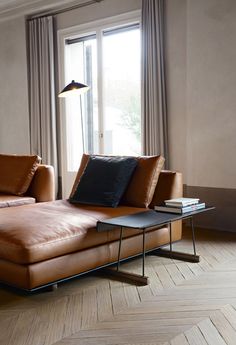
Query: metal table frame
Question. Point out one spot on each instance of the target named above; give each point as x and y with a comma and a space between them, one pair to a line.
155, 222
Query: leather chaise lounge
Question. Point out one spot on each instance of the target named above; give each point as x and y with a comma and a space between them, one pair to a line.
43, 243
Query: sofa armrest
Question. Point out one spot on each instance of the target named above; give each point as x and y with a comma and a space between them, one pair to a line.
42, 187
169, 186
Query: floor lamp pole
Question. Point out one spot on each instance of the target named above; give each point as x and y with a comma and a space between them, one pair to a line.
82, 124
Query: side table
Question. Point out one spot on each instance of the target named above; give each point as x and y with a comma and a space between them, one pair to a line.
143, 221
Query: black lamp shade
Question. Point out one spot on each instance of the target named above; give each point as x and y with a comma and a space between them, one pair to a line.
73, 88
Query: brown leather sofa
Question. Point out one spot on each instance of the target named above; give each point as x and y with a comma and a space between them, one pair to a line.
42, 188
24, 181
47, 242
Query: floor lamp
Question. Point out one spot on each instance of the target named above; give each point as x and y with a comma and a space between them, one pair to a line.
76, 89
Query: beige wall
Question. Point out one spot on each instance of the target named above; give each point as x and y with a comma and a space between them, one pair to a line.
201, 55
104, 9
14, 115
206, 63
211, 91
14, 124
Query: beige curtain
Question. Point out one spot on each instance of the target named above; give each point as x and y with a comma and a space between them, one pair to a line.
154, 107
43, 126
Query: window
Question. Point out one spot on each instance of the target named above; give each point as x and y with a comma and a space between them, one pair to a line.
107, 58
81, 65
121, 85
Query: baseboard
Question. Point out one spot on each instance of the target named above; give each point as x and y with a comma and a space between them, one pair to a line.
223, 218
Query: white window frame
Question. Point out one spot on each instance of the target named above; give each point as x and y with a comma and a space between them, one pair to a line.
96, 27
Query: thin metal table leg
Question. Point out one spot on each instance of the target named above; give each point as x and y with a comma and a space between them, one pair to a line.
170, 231
143, 252
126, 276
119, 250
179, 255
193, 236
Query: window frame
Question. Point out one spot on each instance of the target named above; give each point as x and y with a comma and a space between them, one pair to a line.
96, 27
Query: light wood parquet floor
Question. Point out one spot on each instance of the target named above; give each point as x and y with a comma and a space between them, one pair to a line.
185, 303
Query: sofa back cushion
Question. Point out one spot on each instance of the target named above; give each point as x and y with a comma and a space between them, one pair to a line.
142, 185
16, 173
104, 180
169, 186
83, 164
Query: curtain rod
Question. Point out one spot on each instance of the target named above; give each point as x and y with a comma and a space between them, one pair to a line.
62, 10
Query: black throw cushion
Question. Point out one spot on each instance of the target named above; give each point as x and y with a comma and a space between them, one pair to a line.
104, 180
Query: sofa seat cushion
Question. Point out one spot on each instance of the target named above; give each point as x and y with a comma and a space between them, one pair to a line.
14, 200
33, 233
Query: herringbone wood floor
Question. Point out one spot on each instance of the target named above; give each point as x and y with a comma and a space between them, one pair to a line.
185, 304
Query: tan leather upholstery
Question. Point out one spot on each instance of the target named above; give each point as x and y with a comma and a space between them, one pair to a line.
14, 200
42, 187
44, 242
36, 274
143, 183
38, 232
16, 173
141, 188
169, 186
83, 164
14, 274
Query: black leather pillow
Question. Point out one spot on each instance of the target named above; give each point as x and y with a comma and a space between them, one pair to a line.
104, 180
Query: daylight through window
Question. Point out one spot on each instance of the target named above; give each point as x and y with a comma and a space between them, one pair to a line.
108, 60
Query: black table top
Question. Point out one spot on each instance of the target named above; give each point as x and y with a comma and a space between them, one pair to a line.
147, 219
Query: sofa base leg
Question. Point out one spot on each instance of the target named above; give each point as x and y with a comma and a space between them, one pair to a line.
126, 276
50, 288
177, 255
